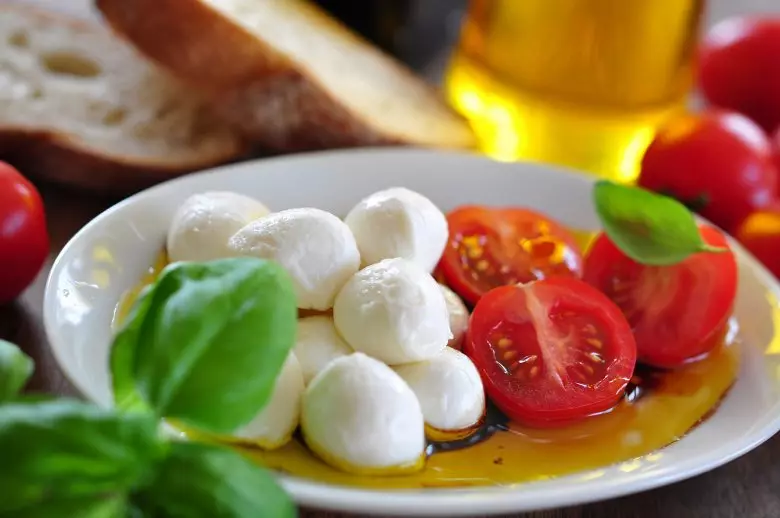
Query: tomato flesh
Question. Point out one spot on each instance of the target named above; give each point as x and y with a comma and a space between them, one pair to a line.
491, 247
24, 241
679, 312
551, 352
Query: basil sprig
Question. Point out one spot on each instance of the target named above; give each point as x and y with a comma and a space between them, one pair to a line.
649, 228
204, 344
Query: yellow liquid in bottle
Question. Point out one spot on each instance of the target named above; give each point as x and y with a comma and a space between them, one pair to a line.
580, 83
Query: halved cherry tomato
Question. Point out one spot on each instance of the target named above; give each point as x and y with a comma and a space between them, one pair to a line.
760, 234
491, 247
739, 68
551, 352
718, 163
678, 312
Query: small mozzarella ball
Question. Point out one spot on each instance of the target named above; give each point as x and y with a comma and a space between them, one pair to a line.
449, 389
204, 223
317, 344
459, 316
358, 415
394, 311
315, 247
398, 222
274, 425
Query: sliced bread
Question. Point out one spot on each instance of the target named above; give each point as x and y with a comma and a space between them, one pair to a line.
80, 105
289, 75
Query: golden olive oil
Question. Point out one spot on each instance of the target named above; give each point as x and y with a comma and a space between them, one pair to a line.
581, 83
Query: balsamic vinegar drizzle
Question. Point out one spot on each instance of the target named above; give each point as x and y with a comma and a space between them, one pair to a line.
495, 421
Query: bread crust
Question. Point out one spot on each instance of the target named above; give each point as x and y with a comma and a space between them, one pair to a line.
52, 157
271, 98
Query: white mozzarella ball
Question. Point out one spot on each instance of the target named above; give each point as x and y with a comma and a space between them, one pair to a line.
459, 316
274, 425
394, 311
204, 223
358, 415
398, 222
315, 247
317, 344
449, 389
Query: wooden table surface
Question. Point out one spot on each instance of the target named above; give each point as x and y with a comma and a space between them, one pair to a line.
746, 488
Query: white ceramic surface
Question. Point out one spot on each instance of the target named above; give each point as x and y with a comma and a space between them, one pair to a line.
110, 254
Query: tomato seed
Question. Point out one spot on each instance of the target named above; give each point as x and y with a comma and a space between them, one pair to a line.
596, 358
504, 343
595, 342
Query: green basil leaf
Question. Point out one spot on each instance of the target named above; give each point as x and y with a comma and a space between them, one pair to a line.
202, 481
63, 450
122, 357
207, 341
15, 369
112, 506
649, 228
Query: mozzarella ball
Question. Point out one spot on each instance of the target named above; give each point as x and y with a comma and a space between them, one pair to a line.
315, 247
204, 223
459, 316
358, 415
449, 389
394, 311
317, 344
274, 425
398, 222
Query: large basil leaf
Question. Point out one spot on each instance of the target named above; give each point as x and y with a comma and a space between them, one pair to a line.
202, 481
206, 342
61, 451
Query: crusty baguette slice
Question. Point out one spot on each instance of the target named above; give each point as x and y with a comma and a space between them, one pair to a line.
289, 75
80, 105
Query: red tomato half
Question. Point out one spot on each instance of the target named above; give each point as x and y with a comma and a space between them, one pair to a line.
760, 234
24, 241
717, 163
739, 68
497, 247
551, 352
679, 312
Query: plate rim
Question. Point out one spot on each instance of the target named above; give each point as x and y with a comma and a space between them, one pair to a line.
482, 500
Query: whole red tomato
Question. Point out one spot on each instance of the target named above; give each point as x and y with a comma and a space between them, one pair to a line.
24, 241
718, 163
739, 68
760, 234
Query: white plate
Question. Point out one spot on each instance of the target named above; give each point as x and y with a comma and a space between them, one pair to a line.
110, 254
